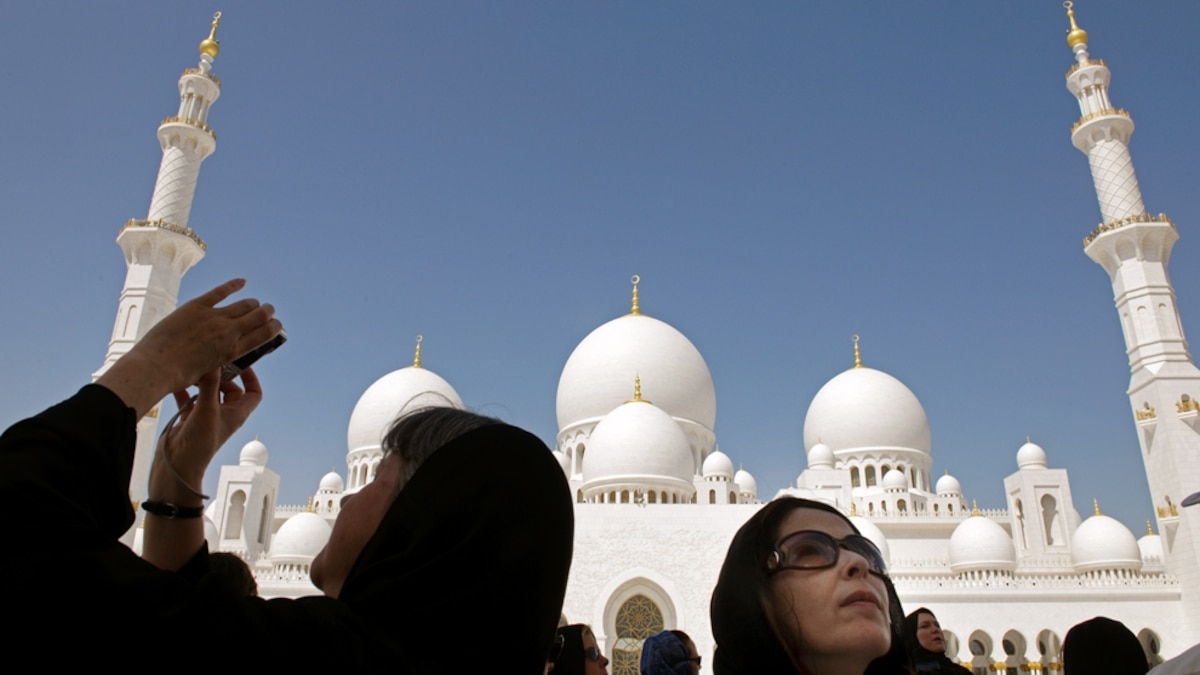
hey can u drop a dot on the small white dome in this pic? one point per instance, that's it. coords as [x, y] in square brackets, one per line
[947, 486]
[1102, 543]
[1031, 456]
[866, 409]
[820, 456]
[596, 377]
[300, 539]
[746, 482]
[979, 543]
[895, 479]
[402, 390]
[253, 453]
[331, 482]
[718, 465]
[639, 443]
[1151, 548]
[871, 531]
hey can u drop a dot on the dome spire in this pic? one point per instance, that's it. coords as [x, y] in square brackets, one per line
[637, 390]
[857, 354]
[417, 352]
[1076, 36]
[635, 279]
[1149, 529]
[975, 508]
[210, 45]
[853, 508]
[1096, 507]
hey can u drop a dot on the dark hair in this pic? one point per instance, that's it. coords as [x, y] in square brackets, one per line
[416, 435]
[570, 659]
[746, 637]
[233, 572]
[1102, 645]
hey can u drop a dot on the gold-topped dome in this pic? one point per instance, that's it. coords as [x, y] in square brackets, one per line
[209, 45]
[1077, 35]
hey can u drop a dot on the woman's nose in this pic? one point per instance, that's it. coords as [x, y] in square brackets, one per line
[855, 565]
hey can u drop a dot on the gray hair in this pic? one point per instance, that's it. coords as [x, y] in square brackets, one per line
[414, 436]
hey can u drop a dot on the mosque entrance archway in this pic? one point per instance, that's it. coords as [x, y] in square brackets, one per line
[638, 618]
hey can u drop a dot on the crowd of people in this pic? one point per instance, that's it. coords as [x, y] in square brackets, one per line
[801, 590]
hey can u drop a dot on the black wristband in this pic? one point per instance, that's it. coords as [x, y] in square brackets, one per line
[171, 511]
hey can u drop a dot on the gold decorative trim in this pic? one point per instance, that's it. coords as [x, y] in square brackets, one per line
[636, 309]
[1105, 112]
[1146, 413]
[857, 354]
[197, 71]
[176, 119]
[1128, 220]
[417, 352]
[1086, 63]
[1168, 511]
[1186, 404]
[170, 227]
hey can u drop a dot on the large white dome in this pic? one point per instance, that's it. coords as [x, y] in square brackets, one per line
[300, 539]
[864, 408]
[598, 374]
[978, 543]
[407, 389]
[1102, 543]
[638, 443]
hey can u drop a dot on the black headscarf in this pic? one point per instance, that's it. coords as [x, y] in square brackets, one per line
[746, 640]
[923, 659]
[570, 659]
[472, 557]
[1102, 645]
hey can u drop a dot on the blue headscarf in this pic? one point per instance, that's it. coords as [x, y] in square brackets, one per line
[665, 654]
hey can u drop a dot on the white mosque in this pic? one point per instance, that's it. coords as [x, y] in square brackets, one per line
[636, 410]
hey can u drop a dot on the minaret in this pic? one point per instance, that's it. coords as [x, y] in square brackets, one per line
[1134, 246]
[161, 248]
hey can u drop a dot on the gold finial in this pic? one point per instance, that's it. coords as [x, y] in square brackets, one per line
[636, 309]
[1149, 530]
[853, 508]
[857, 355]
[210, 45]
[417, 352]
[1096, 507]
[1027, 440]
[1077, 35]
[637, 390]
[975, 508]
[309, 506]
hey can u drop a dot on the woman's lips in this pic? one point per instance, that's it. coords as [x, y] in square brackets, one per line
[861, 596]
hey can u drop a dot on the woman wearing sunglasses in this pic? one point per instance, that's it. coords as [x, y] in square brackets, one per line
[580, 653]
[802, 592]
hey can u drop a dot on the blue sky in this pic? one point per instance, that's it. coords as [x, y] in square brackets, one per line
[782, 175]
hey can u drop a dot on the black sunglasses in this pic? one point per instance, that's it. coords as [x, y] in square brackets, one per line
[556, 648]
[815, 550]
[592, 654]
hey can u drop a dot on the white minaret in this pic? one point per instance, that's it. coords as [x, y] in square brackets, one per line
[1133, 247]
[161, 248]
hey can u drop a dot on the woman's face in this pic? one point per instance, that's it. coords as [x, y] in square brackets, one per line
[832, 620]
[590, 667]
[929, 633]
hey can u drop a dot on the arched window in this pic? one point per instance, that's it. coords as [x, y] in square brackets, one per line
[1150, 645]
[637, 619]
[712, 496]
[1050, 519]
[870, 474]
[901, 505]
[854, 482]
[264, 520]
[233, 517]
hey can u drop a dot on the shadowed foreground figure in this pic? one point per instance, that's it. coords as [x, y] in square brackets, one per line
[1102, 645]
[467, 517]
[927, 645]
